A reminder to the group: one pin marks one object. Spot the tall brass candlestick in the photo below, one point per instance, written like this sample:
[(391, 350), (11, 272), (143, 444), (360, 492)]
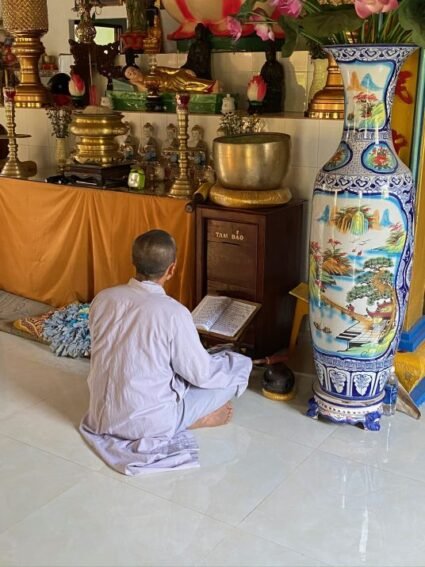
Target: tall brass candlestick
[(13, 167), (182, 187)]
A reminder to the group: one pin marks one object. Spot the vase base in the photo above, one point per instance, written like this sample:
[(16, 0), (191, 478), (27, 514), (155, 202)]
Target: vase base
[(352, 412)]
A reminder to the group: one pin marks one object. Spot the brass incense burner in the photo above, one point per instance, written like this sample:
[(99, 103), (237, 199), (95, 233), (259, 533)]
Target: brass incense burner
[(96, 128)]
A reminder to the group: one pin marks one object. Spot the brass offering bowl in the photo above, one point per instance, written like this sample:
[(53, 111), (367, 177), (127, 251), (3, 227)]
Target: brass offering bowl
[(250, 170), (96, 128)]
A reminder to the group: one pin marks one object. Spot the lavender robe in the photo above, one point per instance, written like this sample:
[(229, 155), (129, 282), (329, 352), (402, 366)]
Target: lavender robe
[(145, 355)]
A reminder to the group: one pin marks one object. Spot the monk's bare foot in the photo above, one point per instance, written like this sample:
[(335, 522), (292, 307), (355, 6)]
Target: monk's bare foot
[(221, 416)]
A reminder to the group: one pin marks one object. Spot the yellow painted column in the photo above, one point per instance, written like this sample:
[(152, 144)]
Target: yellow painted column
[(415, 307), (402, 127)]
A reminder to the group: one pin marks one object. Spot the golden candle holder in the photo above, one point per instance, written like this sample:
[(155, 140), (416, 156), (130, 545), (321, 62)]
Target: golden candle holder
[(182, 187), (330, 101), (13, 167), (27, 21)]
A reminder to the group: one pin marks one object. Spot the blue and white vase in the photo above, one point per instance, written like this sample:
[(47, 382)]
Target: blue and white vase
[(361, 244)]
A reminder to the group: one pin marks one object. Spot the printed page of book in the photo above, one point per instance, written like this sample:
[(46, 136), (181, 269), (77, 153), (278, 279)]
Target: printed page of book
[(209, 310), (233, 318)]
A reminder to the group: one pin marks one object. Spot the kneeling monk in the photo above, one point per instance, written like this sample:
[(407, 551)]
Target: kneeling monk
[(150, 377)]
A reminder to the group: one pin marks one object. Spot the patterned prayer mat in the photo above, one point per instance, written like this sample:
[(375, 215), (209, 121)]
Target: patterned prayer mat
[(13, 307)]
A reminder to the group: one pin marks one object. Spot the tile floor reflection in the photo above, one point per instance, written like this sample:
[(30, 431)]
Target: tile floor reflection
[(275, 488)]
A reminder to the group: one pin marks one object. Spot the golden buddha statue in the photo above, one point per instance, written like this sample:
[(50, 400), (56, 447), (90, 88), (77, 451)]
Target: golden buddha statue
[(171, 80), (152, 43)]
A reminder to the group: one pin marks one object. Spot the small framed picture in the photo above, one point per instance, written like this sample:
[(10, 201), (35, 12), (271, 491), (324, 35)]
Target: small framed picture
[(112, 2)]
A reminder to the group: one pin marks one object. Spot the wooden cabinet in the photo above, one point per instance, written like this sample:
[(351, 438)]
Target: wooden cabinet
[(255, 255)]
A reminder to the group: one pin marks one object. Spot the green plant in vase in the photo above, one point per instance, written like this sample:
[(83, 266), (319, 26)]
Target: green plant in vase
[(60, 118)]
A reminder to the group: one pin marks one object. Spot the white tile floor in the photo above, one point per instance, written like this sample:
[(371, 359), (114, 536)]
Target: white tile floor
[(275, 488)]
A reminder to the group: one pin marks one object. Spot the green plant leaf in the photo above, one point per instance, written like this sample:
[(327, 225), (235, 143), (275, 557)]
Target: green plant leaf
[(246, 9), (291, 30), (331, 21), (411, 14)]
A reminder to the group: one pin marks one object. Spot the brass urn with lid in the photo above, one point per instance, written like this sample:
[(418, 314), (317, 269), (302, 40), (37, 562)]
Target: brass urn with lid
[(96, 128)]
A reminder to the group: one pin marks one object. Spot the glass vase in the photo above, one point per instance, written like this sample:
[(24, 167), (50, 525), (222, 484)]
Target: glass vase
[(61, 154)]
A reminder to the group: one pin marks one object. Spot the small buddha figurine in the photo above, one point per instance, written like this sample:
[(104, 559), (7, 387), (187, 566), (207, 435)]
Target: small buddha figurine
[(170, 80), (148, 147), (198, 144), (171, 143), (129, 145), (274, 77), (152, 43), (199, 54)]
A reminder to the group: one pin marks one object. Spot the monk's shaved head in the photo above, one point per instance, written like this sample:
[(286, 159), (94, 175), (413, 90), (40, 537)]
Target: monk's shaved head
[(153, 252)]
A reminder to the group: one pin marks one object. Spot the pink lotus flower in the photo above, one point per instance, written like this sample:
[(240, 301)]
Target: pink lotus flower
[(76, 85), (235, 27), (256, 88), (264, 31), (366, 8), (262, 28), (291, 8)]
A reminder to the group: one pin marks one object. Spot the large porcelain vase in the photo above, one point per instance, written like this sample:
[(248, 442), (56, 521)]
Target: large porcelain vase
[(361, 244)]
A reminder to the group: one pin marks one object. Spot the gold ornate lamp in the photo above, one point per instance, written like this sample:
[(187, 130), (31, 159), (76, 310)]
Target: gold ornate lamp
[(27, 21)]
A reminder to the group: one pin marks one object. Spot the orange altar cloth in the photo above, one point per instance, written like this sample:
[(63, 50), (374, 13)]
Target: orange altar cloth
[(60, 244)]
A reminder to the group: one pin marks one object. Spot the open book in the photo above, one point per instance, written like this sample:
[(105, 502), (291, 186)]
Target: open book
[(224, 316)]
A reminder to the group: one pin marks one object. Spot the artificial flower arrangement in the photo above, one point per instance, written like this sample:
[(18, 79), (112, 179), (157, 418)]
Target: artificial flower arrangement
[(236, 124), (334, 21)]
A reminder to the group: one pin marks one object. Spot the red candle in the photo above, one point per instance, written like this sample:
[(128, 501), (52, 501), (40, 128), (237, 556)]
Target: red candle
[(9, 94)]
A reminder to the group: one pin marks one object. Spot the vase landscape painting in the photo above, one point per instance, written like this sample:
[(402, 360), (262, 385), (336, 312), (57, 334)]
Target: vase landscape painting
[(364, 103), (353, 276)]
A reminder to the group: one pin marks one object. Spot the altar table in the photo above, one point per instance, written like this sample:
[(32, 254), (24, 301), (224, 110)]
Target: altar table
[(60, 244)]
